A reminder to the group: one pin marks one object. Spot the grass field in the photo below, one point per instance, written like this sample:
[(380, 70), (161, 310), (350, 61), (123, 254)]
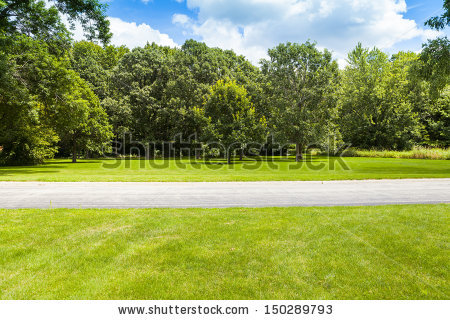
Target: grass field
[(388, 252), (316, 168)]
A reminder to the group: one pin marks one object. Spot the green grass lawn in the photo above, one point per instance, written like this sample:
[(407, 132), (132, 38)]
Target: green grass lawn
[(386, 252), (317, 168)]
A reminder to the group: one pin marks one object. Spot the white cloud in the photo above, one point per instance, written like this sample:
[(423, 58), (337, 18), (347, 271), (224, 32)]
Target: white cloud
[(226, 35), (181, 19), (130, 34), (134, 35), (250, 27)]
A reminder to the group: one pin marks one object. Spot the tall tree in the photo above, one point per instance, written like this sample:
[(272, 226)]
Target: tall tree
[(301, 83), (140, 82), (435, 116), (435, 55), (76, 114), (230, 118), (24, 137), (95, 64), (50, 101), (434, 64), (39, 87), (375, 109)]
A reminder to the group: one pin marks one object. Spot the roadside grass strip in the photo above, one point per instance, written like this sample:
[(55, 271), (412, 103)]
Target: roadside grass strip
[(384, 252)]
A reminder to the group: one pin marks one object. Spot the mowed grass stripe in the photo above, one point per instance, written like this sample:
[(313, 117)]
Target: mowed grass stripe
[(385, 252)]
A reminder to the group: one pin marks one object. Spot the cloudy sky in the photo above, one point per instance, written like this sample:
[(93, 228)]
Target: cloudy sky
[(250, 27)]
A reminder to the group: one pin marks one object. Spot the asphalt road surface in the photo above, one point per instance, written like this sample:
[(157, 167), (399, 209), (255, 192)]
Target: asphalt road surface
[(222, 194)]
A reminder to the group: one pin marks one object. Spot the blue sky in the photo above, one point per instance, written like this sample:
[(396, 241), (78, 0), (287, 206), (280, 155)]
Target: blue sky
[(250, 27)]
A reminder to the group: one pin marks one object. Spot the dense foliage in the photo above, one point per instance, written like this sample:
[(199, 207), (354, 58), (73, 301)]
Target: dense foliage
[(302, 80), (35, 19), (229, 118), (375, 101), (59, 97), (43, 101)]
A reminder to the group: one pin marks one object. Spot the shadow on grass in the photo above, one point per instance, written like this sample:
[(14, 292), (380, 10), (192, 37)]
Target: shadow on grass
[(224, 161), (23, 171), (292, 159), (70, 162)]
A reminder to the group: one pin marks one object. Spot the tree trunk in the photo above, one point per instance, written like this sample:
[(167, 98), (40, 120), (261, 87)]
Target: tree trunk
[(74, 152), (229, 157), (148, 152), (298, 152), (241, 154)]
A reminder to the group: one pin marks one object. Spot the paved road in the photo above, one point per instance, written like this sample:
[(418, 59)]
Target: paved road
[(221, 194)]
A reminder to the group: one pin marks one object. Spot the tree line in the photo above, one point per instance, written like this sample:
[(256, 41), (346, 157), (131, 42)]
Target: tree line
[(65, 98)]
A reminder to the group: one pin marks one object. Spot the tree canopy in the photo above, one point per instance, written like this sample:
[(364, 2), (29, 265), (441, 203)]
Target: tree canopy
[(434, 66), (301, 79), (44, 104), (442, 21), (33, 18), (229, 118), (64, 98), (375, 106)]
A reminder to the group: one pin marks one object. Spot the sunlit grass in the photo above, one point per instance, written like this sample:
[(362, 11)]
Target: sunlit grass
[(314, 168), (386, 252)]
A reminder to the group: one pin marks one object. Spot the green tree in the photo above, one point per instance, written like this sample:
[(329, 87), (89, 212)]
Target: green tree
[(230, 118), (33, 18), (442, 21), (39, 88), (374, 100), (24, 137), (140, 82), (161, 85), (42, 106), (79, 120), (86, 59), (434, 64), (206, 66), (119, 116), (70, 107), (95, 63), (436, 119), (301, 81)]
